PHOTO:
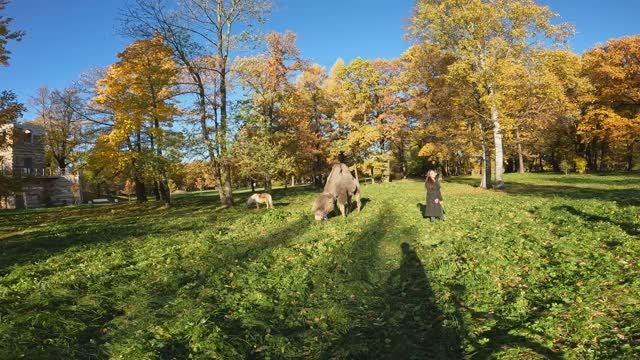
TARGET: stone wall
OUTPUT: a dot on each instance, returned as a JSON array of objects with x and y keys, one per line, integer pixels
[
  {"x": 64, "y": 190},
  {"x": 41, "y": 192}
]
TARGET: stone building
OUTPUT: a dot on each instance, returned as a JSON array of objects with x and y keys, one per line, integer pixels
[{"x": 22, "y": 160}]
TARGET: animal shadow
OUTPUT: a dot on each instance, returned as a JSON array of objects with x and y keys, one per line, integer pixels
[
  {"x": 422, "y": 207},
  {"x": 363, "y": 204}
]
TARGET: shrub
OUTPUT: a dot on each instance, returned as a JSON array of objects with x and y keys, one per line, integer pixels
[
  {"x": 581, "y": 165},
  {"x": 565, "y": 166}
]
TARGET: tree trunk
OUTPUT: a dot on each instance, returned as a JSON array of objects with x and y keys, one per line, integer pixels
[
  {"x": 485, "y": 182},
  {"x": 165, "y": 192},
  {"x": 141, "y": 194},
  {"x": 403, "y": 160},
  {"x": 267, "y": 185},
  {"x": 630, "y": 157},
  {"x": 156, "y": 190},
  {"x": 253, "y": 186},
  {"x": 497, "y": 138},
  {"x": 520, "y": 157},
  {"x": 555, "y": 164}
]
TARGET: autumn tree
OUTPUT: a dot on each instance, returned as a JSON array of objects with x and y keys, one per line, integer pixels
[
  {"x": 138, "y": 90},
  {"x": 485, "y": 37},
  {"x": 611, "y": 124},
  {"x": 197, "y": 175},
  {"x": 307, "y": 112},
  {"x": 371, "y": 118},
  {"x": 60, "y": 114},
  {"x": 267, "y": 78},
  {"x": 202, "y": 35},
  {"x": 10, "y": 111},
  {"x": 450, "y": 127},
  {"x": 6, "y": 34},
  {"x": 257, "y": 157}
]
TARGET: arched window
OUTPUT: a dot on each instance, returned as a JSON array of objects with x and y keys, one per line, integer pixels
[{"x": 28, "y": 136}]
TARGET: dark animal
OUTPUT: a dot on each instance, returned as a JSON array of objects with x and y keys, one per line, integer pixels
[{"x": 341, "y": 186}]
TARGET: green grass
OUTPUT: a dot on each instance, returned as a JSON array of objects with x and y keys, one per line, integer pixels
[{"x": 547, "y": 268}]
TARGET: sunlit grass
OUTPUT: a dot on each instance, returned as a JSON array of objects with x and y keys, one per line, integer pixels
[{"x": 547, "y": 268}]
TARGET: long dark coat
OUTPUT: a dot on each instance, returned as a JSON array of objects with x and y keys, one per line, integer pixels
[{"x": 433, "y": 192}]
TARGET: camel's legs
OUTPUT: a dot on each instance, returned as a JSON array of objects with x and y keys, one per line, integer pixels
[
  {"x": 358, "y": 201},
  {"x": 342, "y": 210}
]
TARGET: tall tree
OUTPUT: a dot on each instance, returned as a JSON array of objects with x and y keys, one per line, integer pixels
[
  {"x": 268, "y": 79},
  {"x": 60, "y": 113},
  {"x": 307, "y": 112},
  {"x": 209, "y": 29},
  {"x": 10, "y": 111},
  {"x": 485, "y": 36},
  {"x": 613, "y": 115},
  {"x": 138, "y": 90},
  {"x": 6, "y": 34}
]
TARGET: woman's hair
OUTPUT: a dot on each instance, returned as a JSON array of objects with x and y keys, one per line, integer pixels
[{"x": 431, "y": 176}]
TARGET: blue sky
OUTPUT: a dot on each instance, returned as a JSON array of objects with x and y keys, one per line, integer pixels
[{"x": 66, "y": 37}]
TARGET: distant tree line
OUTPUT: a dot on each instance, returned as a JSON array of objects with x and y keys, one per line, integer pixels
[{"x": 485, "y": 88}]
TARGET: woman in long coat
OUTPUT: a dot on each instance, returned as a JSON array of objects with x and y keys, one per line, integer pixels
[{"x": 433, "y": 209}]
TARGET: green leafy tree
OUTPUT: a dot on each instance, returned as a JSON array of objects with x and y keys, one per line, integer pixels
[{"x": 6, "y": 34}]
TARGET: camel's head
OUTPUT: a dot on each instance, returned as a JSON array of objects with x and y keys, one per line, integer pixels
[
  {"x": 322, "y": 206},
  {"x": 320, "y": 215}
]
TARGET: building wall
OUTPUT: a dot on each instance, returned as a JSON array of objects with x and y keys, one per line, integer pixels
[
  {"x": 37, "y": 191},
  {"x": 41, "y": 192},
  {"x": 33, "y": 150},
  {"x": 18, "y": 149},
  {"x": 6, "y": 151},
  {"x": 61, "y": 190}
]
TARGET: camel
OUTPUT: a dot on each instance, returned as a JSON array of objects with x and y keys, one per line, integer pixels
[{"x": 339, "y": 188}]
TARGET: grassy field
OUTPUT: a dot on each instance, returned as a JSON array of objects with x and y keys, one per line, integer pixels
[{"x": 547, "y": 268}]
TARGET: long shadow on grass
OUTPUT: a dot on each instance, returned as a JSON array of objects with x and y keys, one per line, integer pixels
[
  {"x": 84, "y": 229},
  {"x": 630, "y": 228},
  {"x": 401, "y": 319},
  {"x": 155, "y": 298},
  {"x": 212, "y": 265},
  {"x": 500, "y": 335},
  {"x": 605, "y": 179},
  {"x": 623, "y": 197}
]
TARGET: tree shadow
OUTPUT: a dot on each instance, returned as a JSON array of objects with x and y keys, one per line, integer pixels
[
  {"x": 630, "y": 228},
  {"x": 604, "y": 179},
  {"x": 153, "y": 298},
  {"x": 405, "y": 323},
  {"x": 499, "y": 336},
  {"x": 622, "y": 197},
  {"x": 469, "y": 181}
]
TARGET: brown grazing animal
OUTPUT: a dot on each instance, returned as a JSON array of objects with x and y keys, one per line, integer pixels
[
  {"x": 322, "y": 206},
  {"x": 263, "y": 198},
  {"x": 341, "y": 185}
]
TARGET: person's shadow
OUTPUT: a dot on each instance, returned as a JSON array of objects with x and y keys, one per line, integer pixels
[
  {"x": 419, "y": 331},
  {"x": 405, "y": 322}
]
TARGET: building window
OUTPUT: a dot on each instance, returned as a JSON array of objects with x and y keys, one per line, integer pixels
[
  {"x": 27, "y": 162},
  {"x": 28, "y": 137}
]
